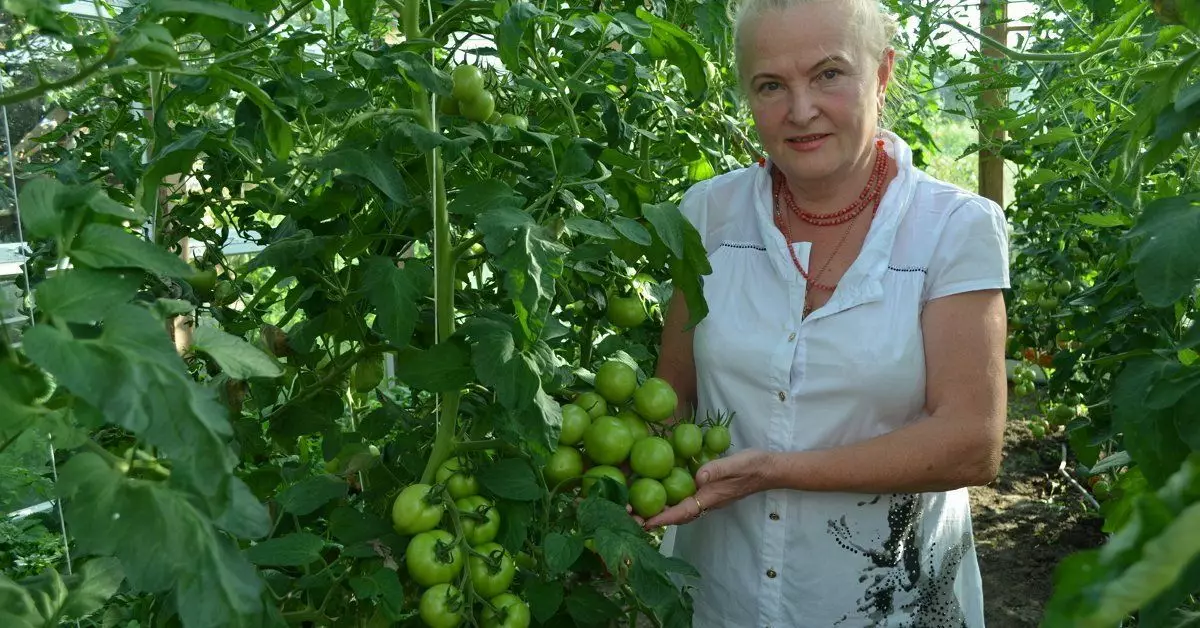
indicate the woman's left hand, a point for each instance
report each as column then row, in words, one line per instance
column 718, row 483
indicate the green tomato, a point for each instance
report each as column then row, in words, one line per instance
column 616, row 382
column 688, row 439
column 475, row 531
column 433, row 558
column 1062, row 288
column 575, row 421
column 467, row 82
column 1023, row 389
column 594, row 474
column 416, row 510
column 679, row 486
column 593, row 403
column 652, row 457
column 717, row 439
column 627, row 312
column 608, row 441
column 479, row 108
column 655, row 400
column 1102, row 489
column 512, row 119
column 459, row 482
column 648, row 497
column 699, row 461
column 636, row 425
column 511, row 612
column 565, row 463
column 441, row 606
column 493, row 575
column 203, row 283
column 448, row 106
column 367, row 375
column 1062, row 414
column 1038, row 430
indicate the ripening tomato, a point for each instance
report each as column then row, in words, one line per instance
column 652, row 457
column 575, row 421
column 608, row 441
column 459, row 482
column 655, row 400
column 417, row 509
column 648, row 497
column 493, row 575
column 616, row 381
column 433, row 558
column 480, row 529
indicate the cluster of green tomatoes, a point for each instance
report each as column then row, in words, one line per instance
column 471, row 99
column 445, row 566
column 616, row 431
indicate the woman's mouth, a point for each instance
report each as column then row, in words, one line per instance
column 806, row 143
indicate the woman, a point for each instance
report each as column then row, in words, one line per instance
column 863, row 359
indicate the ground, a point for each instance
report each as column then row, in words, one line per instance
column 1026, row 521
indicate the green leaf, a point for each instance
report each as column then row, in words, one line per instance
column 23, row 386
column 374, row 166
column 675, row 45
column 132, row 374
column 419, row 71
column 498, row 226
column 395, row 293
column 561, row 552
column 86, row 296
column 387, row 583
column 211, row 8
column 316, row 414
column 589, row 607
column 1106, row 220
column 293, row 550
column 482, row 196
column 1150, row 435
column 162, row 540
column 236, row 357
column 544, row 598
column 279, row 133
column 1053, row 136
column 40, row 213
column 309, row 494
column 351, row 526
column 100, row 203
column 512, row 31
column 1166, row 268
column 669, row 224
column 106, row 246
column 360, row 12
column 245, row 517
column 533, row 263
column 632, row 230
column 511, row 478
column 444, row 367
column 593, row 228
column 97, row 581
column 286, row 252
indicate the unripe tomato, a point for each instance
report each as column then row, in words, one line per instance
column 648, row 497
column 636, row 425
column 627, row 312
column 478, row 532
column 687, row 439
column 595, row 473
column 616, row 382
column 511, row 119
column 467, row 82
column 203, row 283
column 416, row 510
column 655, row 400
column 367, row 375
column 479, row 108
column 699, row 461
column 652, row 457
column 1062, row 288
column 459, row 482
column 575, row 421
column 679, row 486
column 608, row 441
column 441, row 606
column 593, row 403
column 491, row 578
column 433, row 558
column 512, row 612
column 717, row 439
column 1102, row 489
column 565, row 463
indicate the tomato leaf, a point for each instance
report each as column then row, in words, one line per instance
column 106, row 246
column 133, row 376
column 675, row 45
column 1166, row 270
column 395, row 293
column 161, row 539
column 351, row 526
column 512, row 30
column 375, row 166
column 279, row 133
column 443, row 368
column 545, row 598
column 632, row 230
column 83, row 295
column 40, row 213
column 387, row 581
column 236, row 357
column 1150, row 435
column 292, row 550
column 309, row 494
column 561, row 552
column 419, row 71
column 97, row 581
column 360, row 12
column 481, row 196
column 532, row 263
column 289, row 251
column 1119, row 219
column 498, row 226
column 210, row 8
column 593, row 228
column 314, row 415
column 511, row 478
column 589, row 607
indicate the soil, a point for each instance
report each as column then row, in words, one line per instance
column 1026, row 521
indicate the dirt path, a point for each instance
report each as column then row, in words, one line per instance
column 1025, row 523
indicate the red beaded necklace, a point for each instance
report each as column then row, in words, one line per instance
column 871, row 195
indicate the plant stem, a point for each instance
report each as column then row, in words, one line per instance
column 452, row 13
column 1017, row 55
column 42, row 88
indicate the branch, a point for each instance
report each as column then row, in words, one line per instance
column 445, row 18
column 43, row 87
column 1017, row 55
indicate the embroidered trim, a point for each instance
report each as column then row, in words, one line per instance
column 744, row 245
column 908, row 269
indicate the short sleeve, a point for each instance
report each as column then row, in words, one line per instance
column 694, row 207
column 971, row 253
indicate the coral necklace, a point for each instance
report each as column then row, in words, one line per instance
column 870, row 196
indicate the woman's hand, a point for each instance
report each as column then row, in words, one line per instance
column 718, row 483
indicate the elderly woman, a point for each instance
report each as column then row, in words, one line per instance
column 857, row 328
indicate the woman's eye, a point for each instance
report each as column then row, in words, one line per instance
column 768, row 86
column 830, row 74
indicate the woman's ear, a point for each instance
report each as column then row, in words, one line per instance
column 884, row 74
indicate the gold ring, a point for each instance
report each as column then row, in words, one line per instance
column 700, row 506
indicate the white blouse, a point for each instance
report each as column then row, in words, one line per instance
column 853, row 370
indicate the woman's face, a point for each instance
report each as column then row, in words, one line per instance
column 814, row 89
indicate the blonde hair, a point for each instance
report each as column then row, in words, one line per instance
column 875, row 28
